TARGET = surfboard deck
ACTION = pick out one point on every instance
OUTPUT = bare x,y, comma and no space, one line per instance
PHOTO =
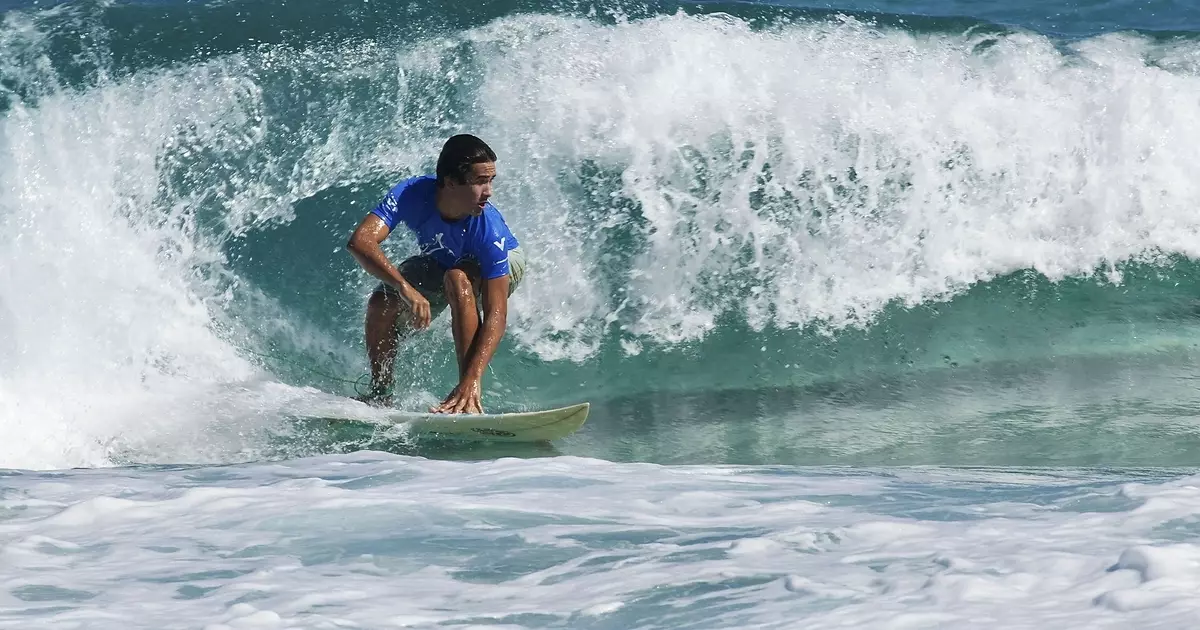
526,426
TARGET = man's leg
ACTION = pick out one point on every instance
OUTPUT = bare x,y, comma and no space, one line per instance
386,322
389,320
459,287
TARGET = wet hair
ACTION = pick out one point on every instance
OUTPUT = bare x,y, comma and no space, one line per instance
458,155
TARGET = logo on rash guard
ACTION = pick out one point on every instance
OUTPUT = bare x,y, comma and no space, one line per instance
440,245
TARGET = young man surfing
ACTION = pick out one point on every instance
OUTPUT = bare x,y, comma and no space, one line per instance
468,258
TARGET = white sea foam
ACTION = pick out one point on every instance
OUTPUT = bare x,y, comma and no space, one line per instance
814,172
373,540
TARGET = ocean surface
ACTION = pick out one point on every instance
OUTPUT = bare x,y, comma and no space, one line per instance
888,313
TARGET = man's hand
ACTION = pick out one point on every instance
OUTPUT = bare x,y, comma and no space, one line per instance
464,399
418,307
364,246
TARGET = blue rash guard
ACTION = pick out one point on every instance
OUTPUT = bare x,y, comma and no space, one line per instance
484,239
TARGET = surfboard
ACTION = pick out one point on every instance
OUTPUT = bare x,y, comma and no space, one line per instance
526,426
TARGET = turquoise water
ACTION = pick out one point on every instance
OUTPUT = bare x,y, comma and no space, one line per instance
858,291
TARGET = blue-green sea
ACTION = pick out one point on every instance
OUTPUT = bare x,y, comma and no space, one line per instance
888,313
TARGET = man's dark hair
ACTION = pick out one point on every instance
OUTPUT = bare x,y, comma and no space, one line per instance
459,154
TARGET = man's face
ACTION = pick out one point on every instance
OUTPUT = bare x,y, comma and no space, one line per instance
468,198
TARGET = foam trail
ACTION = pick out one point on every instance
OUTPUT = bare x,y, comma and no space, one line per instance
125,316
107,312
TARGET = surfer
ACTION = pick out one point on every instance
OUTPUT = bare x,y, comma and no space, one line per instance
468,260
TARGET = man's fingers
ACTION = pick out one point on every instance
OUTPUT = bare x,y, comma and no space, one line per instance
459,402
419,313
462,405
447,405
421,320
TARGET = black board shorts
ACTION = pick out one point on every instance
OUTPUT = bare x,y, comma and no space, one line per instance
426,275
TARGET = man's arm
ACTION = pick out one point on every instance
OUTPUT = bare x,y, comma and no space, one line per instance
466,396
364,246
491,330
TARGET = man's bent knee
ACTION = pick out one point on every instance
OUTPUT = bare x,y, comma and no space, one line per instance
384,303
457,284
386,311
